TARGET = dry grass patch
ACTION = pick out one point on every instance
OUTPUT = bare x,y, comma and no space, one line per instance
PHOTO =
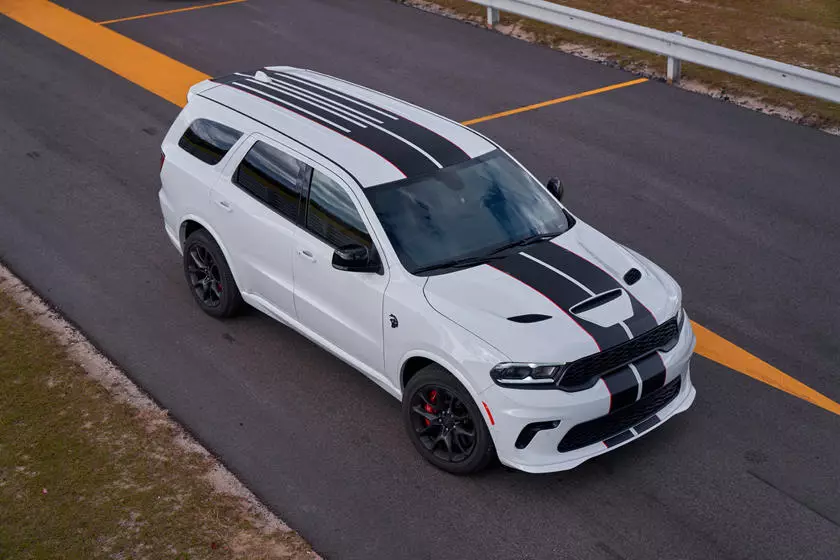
801,32
88,470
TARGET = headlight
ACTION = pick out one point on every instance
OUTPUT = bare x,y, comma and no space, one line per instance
519,374
680,318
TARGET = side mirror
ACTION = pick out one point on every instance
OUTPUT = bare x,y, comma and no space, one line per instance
555,187
356,258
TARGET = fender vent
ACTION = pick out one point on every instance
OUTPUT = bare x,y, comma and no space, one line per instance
632,276
529,318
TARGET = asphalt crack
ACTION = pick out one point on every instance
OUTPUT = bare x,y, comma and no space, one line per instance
799,501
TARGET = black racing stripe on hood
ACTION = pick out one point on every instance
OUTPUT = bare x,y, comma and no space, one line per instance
593,277
563,293
652,371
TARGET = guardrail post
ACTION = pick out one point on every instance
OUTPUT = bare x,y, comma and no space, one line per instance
492,16
674,66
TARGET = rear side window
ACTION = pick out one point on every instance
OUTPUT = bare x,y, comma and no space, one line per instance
208,140
332,216
272,177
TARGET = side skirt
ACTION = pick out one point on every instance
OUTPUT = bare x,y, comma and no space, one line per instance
375,376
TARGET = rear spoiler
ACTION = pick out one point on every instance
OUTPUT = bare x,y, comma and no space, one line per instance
200,87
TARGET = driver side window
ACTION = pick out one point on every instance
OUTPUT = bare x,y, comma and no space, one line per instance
331,214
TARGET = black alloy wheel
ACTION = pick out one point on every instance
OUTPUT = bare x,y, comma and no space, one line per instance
444,423
209,277
204,276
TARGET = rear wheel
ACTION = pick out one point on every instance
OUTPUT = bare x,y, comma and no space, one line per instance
444,423
209,277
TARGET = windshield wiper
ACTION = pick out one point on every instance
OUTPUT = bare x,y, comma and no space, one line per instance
456,263
472,261
523,242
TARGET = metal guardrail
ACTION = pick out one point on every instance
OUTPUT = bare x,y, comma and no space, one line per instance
673,45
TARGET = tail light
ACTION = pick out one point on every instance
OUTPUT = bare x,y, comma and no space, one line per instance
162,159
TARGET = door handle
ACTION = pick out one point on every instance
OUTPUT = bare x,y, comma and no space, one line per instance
306,254
225,205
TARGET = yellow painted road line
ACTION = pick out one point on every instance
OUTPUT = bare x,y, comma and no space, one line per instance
554,101
720,350
167,12
171,79
134,61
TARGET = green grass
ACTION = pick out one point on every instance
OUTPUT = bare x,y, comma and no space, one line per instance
85,476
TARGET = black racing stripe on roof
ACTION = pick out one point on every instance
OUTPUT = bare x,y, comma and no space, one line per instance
562,292
593,277
281,133
406,159
442,149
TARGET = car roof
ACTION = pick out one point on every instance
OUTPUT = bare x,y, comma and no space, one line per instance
376,138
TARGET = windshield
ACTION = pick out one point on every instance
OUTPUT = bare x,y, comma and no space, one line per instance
464,211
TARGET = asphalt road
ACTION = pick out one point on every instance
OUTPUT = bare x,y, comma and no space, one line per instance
740,207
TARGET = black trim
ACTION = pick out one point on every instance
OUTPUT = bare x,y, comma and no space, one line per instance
623,388
642,427
305,181
528,432
529,318
620,438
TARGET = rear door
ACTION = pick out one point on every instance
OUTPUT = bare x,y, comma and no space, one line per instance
255,207
197,150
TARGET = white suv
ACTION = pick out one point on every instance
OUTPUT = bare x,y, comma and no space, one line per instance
424,255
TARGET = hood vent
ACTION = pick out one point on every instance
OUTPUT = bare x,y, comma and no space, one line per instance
632,276
596,301
529,318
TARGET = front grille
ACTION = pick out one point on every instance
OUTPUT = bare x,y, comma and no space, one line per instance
583,373
623,419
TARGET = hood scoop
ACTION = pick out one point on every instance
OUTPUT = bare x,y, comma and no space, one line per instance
529,318
596,301
606,309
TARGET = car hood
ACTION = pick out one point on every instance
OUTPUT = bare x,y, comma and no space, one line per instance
559,300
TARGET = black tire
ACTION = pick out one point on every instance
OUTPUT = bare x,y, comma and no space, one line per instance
208,276
444,423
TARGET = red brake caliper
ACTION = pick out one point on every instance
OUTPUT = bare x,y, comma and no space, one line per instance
428,407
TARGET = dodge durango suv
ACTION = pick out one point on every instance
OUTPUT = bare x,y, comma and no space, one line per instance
424,255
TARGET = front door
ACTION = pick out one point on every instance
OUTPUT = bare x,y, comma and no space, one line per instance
343,307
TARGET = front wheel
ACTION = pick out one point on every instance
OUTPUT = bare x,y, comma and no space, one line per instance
444,423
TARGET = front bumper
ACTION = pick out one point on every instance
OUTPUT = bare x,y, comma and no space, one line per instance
514,409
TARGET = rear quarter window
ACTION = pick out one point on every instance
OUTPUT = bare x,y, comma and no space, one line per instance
208,140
